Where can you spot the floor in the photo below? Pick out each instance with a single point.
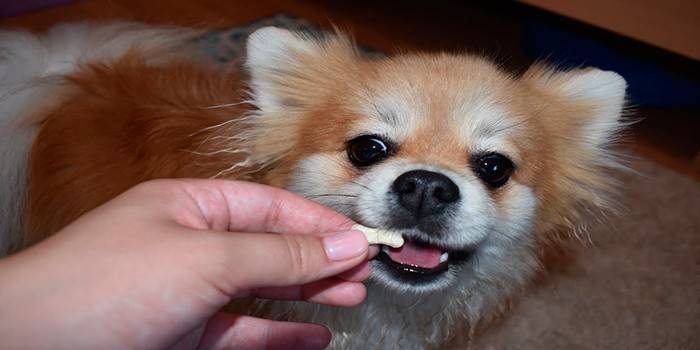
(639, 289)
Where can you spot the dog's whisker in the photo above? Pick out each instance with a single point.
(223, 137)
(228, 122)
(244, 102)
(226, 140)
(243, 164)
(221, 151)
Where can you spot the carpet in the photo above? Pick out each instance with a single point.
(637, 287)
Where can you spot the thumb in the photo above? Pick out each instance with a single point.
(251, 260)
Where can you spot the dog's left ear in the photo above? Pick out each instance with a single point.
(601, 94)
(288, 69)
(582, 111)
(595, 99)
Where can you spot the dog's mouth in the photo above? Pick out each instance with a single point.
(418, 261)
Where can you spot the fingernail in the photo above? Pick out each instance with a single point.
(345, 245)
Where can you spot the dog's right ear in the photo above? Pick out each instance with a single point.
(288, 69)
(289, 73)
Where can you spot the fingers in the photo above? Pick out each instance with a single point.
(240, 262)
(243, 261)
(358, 273)
(244, 207)
(344, 290)
(331, 291)
(226, 331)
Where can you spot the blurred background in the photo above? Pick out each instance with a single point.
(636, 283)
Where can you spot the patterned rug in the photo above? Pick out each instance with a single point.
(637, 288)
(228, 46)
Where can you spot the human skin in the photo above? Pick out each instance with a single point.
(153, 267)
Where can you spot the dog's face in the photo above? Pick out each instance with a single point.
(435, 157)
(473, 166)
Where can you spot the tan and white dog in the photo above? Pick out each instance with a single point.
(483, 172)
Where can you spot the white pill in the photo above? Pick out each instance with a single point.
(378, 236)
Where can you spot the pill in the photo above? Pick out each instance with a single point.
(379, 236)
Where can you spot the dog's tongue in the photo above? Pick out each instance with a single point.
(420, 256)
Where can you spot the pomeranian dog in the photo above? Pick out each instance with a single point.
(484, 172)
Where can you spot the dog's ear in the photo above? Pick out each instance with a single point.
(290, 73)
(582, 111)
(596, 96)
(289, 69)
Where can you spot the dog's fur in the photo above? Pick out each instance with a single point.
(88, 111)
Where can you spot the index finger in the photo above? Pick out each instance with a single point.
(239, 206)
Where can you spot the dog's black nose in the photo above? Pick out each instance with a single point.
(424, 192)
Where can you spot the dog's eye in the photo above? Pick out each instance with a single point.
(367, 150)
(493, 168)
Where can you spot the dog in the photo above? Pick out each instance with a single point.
(484, 172)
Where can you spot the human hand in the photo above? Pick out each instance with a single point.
(153, 267)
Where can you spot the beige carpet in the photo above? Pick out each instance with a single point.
(638, 288)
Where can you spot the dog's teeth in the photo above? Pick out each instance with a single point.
(444, 256)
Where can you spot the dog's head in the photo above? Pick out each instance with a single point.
(476, 167)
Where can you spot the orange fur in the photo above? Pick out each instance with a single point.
(126, 123)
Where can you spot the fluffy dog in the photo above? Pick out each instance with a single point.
(482, 171)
